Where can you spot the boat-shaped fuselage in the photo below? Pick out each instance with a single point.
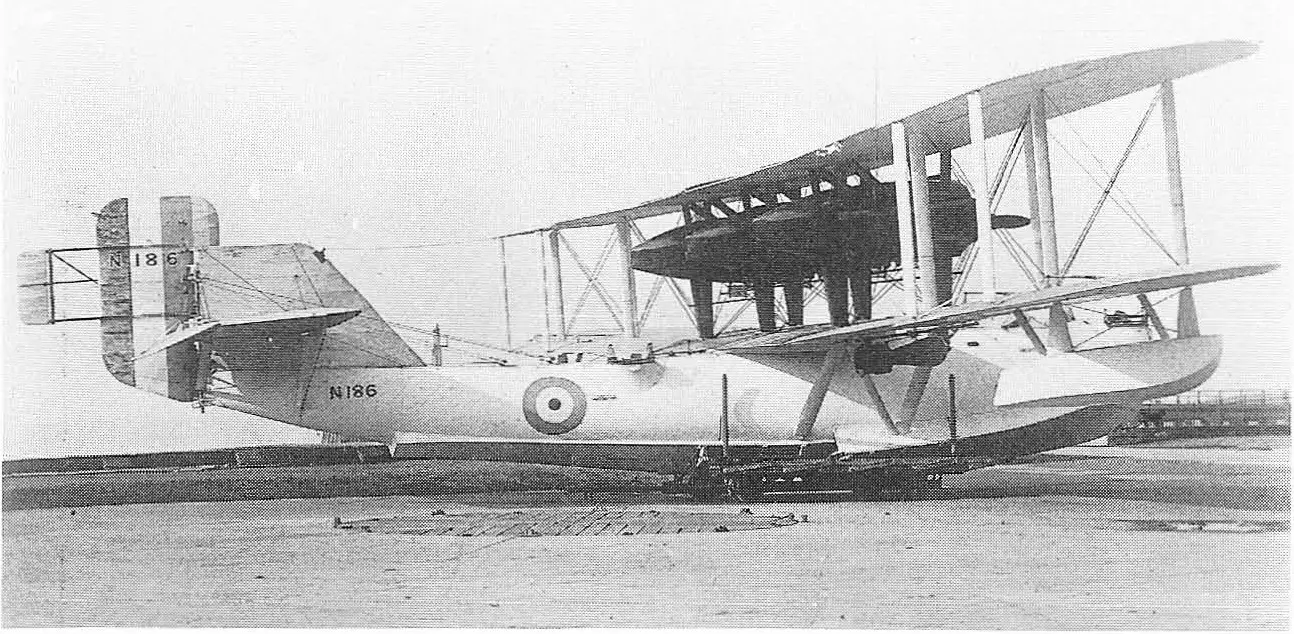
(1009, 399)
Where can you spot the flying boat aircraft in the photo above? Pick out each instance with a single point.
(859, 403)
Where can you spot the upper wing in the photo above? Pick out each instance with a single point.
(1110, 287)
(945, 126)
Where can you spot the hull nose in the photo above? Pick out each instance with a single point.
(1117, 374)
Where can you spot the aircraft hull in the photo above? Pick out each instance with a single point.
(654, 416)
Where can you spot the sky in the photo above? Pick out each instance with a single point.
(359, 129)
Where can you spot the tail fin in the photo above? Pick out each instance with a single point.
(242, 282)
(275, 308)
(270, 355)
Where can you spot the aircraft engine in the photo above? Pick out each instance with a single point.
(841, 235)
(925, 352)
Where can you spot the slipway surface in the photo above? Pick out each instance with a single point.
(1115, 541)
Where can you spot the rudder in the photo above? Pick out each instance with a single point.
(147, 291)
(117, 324)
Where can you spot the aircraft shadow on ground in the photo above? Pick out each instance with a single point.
(1231, 487)
(1247, 487)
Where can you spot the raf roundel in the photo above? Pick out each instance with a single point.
(554, 405)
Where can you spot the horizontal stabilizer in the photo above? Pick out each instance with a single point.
(240, 282)
(1107, 288)
(291, 321)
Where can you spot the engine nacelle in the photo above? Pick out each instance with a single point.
(928, 351)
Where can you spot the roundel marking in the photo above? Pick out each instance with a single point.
(554, 405)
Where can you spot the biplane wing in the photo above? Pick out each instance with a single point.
(951, 316)
(946, 126)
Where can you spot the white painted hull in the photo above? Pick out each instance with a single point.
(676, 400)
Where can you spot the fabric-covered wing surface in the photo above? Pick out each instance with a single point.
(243, 282)
(1069, 87)
(1107, 288)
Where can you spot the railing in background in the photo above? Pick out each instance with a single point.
(1227, 397)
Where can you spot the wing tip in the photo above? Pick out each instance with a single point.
(1241, 269)
(1227, 51)
(1242, 48)
(1264, 268)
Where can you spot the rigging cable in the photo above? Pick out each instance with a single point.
(424, 245)
(393, 324)
(1130, 209)
(1105, 194)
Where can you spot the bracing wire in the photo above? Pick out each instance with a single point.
(1130, 209)
(424, 245)
(394, 324)
(1105, 194)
